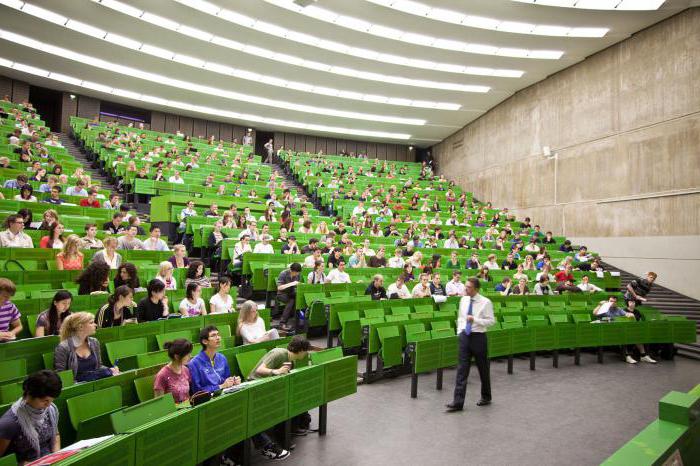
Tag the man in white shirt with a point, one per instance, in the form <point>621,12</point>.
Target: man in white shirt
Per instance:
<point>77,190</point>
<point>14,236</point>
<point>248,138</point>
<point>455,287</point>
<point>532,246</point>
<point>154,243</point>
<point>359,210</point>
<point>397,261</point>
<point>264,247</point>
<point>398,289</point>
<point>474,317</point>
<point>422,289</point>
<point>269,148</point>
<point>129,241</point>
<point>338,274</point>
<point>176,178</point>
<point>587,287</point>
<point>241,248</point>
<point>451,242</point>
<point>310,260</point>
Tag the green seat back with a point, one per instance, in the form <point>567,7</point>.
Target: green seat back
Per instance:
<point>439,324</point>
<point>124,348</point>
<point>400,310</point>
<point>144,387</point>
<point>442,333</point>
<point>89,413</point>
<point>143,413</point>
<point>248,360</point>
<point>373,313</point>
<point>319,357</point>
<point>12,369</point>
<point>423,308</point>
<point>390,351</point>
<point>170,336</point>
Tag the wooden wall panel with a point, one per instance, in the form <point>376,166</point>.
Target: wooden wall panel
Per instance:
<point>20,91</point>
<point>199,128</point>
<point>238,132</point>
<point>279,139</point>
<point>185,125</point>
<point>340,146</point>
<point>5,87</point>
<point>69,108</point>
<point>213,129</point>
<point>310,144</point>
<point>172,123</point>
<point>321,145</point>
<point>381,151</point>
<point>88,107</point>
<point>390,152</point>
<point>226,132</point>
<point>351,147</point>
<point>371,150</point>
<point>158,121</point>
<point>300,142</point>
<point>361,147</point>
<point>331,146</point>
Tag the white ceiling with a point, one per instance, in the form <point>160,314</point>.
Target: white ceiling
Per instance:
<point>219,93</point>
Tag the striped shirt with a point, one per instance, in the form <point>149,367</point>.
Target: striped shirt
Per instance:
<point>8,314</point>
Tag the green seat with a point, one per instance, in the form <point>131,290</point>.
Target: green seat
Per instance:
<point>142,414</point>
<point>48,360</point>
<point>511,324</point>
<point>400,310</point>
<point>393,318</point>
<point>421,315</point>
<point>248,360</point>
<point>390,341</point>
<point>555,319</point>
<point>420,308</point>
<point>581,318</point>
<point>418,336</point>
<point>440,325</point>
<point>153,358</point>
<point>512,318</point>
<point>373,313</point>
<point>124,348</point>
<point>536,320</point>
<point>89,413</point>
<point>447,307</point>
<point>144,387</point>
<point>319,357</point>
<point>339,294</point>
<point>12,369</point>
<point>442,333</point>
<point>170,336</point>
<point>350,328</point>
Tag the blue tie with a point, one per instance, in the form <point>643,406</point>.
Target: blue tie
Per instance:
<point>468,328</point>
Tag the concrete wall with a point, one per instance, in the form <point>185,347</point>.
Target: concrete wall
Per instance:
<point>626,126</point>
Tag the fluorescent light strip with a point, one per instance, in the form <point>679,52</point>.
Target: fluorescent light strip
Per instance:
<point>191,86</point>
<point>384,32</point>
<point>463,19</point>
<point>241,20</point>
<point>195,108</point>
<point>639,5</point>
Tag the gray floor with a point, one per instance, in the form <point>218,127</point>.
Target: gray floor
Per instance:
<point>571,415</point>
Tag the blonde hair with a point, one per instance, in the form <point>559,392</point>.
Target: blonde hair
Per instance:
<point>72,324</point>
<point>179,247</point>
<point>110,240</point>
<point>72,246</point>
<point>247,309</point>
<point>164,267</point>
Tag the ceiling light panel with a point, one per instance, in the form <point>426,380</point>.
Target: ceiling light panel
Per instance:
<point>408,37</point>
<point>207,90</point>
<point>310,40</point>
<point>248,75</point>
<point>639,5</point>
<point>493,24</point>
<point>196,108</point>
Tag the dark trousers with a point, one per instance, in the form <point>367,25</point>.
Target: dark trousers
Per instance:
<point>472,345</point>
<point>289,300</point>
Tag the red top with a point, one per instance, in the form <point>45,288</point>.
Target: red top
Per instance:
<point>85,202</point>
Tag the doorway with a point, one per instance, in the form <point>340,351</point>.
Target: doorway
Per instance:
<point>48,103</point>
<point>261,138</point>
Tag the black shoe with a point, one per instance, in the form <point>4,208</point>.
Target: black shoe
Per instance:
<point>453,408</point>
<point>299,432</point>
<point>483,402</point>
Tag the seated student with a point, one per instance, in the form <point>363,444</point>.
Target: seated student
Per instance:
<point>154,305</point>
<point>455,287</point>
<point>209,372</point>
<point>548,239</point>
<point>287,282</point>
<point>565,275</point>
<point>291,247</point>
<point>78,189</point>
<point>338,274</point>
<point>70,257</point>
<point>520,273</point>
<point>29,428</point>
<point>127,275</point>
<point>436,287</point>
<point>376,289</point>
<point>310,261</point>
<point>398,289</point>
<point>317,275</point>
<point>90,200</point>
<point>10,324</point>
<point>222,302</point>
<point>154,242</point>
<point>491,263</point>
<point>566,246</point>
<point>14,236</point>
<point>586,286</point>
<point>192,305</point>
<point>94,279</point>
<point>118,310</point>
<point>49,322</point>
<point>251,327</point>
<point>115,225</point>
<point>567,287</point>
<point>397,261</point>
<point>521,288</point>
<point>55,239</point>
<point>509,263</point>
<point>109,254</point>
<point>473,263</point>
<point>378,259</point>
<point>195,274</point>
<point>179,259</point>
<point>484,274</point>
<point>129,241</point>
<point>453,262</point>
<point>175,376</point>
<point>165,275</point>
<point>90,240</point>
<point>542,287</point>
<point>422,288</point>
<point>279,361</point>
<point>239,249</point>
<point>79,351</point>
<point>504,288</point>
<point>26,193</point>
<point>264,247</point>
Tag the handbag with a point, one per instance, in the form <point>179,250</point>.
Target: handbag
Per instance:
<point>200,397</point>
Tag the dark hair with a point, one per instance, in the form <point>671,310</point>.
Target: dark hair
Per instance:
<point>190,289</point>
<point>475,282</point>
<point>155,286</point>
<point>89,225</point>
<point>179,347</point>
<point>298,344</point>
<point>117,214</point>
<point>119,292</point>
<point>192,269</point>
<point>204,334</point>
<point>224,281</point>
<point>42,384</point>
<point>93,277</point>
<point>25,188</point>
<point>52,230</point>
<point>60,295</point>
<point>154,227</point>
<point>295,267</point>
<point>133,281</point>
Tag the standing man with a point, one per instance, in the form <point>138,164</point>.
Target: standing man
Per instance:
<point>638,289</point>
<point>475,315</point>
<point>287,282</point>
<point>269,148</point>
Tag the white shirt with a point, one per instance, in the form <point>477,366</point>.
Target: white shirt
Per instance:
<point>310,261</point>
<point>189,309</point>
<point>262,248</point>
<point>239,250</point>
<point>491,265</point>
<point>454,288</point>
<point>219,305</point>
<point>419,292</point>
<point>588,287</point>
<point>20,240</point>
<point>482,310</point>
<point>336,276</point>
<point>395,262</point>
<point>153,244</point>
<point>254,331</point>
<point>177,180</point>
<point>451,243</point>
<point>358,211</point>
<point>402,292</point>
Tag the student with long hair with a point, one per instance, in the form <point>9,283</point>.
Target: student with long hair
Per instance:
<point>175,376</point>
<point>193,304</point>
<point>222,301</point>
<point>251,327</point>
<point>94,279</point>
<point>55,239</point>
<point>127,275</point>
<point>49,322</point>
<point>195,274</point>
<point>118,310</point>
<point>70,257</point>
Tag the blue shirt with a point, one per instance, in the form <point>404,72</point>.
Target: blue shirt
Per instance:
<point>205,376</point>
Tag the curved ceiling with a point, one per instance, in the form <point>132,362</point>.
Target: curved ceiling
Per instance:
<point>389,70</point>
